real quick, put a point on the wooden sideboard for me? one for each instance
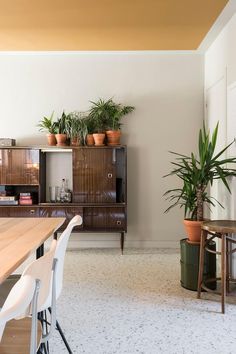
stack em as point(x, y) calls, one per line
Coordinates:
point(99, 192)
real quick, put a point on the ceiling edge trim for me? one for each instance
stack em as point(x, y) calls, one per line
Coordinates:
point(99, 52)
point(219, 24)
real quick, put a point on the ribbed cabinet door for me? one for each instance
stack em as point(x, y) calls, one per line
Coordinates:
point(24, 167)
point(94, 176)
point(4, 165)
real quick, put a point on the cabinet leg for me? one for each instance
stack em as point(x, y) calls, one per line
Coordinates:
point(122, 240)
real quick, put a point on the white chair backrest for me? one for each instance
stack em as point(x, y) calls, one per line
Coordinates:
point(41, 269)
point(18, 301)
point(60, 254)
point(61, 251)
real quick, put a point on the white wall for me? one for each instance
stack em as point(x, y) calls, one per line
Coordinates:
point(220, 66)
point(165, 87)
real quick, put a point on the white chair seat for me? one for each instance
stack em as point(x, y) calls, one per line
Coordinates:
point(16, 337)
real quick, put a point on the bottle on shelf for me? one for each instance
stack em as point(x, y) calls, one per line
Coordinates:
point(63, 190)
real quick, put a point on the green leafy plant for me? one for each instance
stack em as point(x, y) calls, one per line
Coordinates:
point(117, 113)
point(47, 124)
point(61, 123)
point(90, 124)
point(99, 113)
point(108, 114)
point(76, 126)
point(196, 173)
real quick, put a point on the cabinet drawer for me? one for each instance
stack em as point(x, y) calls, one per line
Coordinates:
point(23, 212)
point(106, 219)
point(62, 212)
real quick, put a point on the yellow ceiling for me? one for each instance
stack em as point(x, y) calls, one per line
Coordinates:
point(106, 24)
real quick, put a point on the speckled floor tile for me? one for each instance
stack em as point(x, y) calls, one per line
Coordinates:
point(113, 304)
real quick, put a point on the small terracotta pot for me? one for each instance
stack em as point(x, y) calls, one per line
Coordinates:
point(99, 139)
point(193, 230)
point(61, 139)
point(113, 137)
point(89, 139)
point(51, 139)
point(75, 141)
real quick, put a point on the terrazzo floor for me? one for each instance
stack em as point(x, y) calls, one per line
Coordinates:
point(113, 304)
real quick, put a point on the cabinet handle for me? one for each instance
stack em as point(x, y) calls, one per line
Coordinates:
point(109, 175)
point(32, 211)
point(118, 222)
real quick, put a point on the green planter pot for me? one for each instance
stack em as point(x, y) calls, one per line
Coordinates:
point(189, 263)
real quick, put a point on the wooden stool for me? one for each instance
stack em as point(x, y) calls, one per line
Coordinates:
point(221, 229)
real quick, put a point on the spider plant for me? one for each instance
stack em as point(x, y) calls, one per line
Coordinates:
point(197, 172)
point(76, 126)
point(47, 124)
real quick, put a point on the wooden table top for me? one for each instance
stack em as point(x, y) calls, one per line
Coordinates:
point(19, 237)
point(221, 226)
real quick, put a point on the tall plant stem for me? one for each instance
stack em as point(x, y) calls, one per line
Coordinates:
point(199, 195)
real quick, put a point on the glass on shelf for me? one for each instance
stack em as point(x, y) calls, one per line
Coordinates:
point(53, 193)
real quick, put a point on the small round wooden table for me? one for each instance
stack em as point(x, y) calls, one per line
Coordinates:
point(223, 230)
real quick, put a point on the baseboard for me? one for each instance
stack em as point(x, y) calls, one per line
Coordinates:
point(113, 241)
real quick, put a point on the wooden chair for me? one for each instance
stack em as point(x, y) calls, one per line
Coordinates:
point(221, 229)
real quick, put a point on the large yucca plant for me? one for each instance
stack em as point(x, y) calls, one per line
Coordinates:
point(196, 173)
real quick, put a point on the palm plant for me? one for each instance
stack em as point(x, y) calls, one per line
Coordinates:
point(99, 113)
point(117, 111)
point(108, 114)
point(196, 173)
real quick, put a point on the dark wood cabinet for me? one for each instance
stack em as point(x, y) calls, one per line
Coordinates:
point(99, 192)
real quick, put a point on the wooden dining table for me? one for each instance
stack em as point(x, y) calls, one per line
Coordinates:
point(20, 237)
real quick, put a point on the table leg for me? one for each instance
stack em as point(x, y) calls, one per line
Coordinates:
point(201, 262)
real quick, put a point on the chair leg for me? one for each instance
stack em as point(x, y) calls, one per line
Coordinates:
point(227, 265)
point(58, 327)
point(223, 272)
point(201, 262)
point(63, 337)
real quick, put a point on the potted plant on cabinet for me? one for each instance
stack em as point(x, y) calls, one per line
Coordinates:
point(72, 129)
point(47, 124)
point(90, 130)
point(117, 112)
point(61, 124)
point(76, 128)
point(196, 173)
point(99, 115)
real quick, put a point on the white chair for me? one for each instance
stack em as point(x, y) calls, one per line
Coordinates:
point(43, 269)
point(60, 256)
point(45, 302)
point(20, 336)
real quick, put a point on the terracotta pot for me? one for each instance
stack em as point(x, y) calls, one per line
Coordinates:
point(193, 230)
point(51, 139)
point(89, 139)
point(113, 137)
point(99, 139)
point(61, 139)
point(75, 141)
